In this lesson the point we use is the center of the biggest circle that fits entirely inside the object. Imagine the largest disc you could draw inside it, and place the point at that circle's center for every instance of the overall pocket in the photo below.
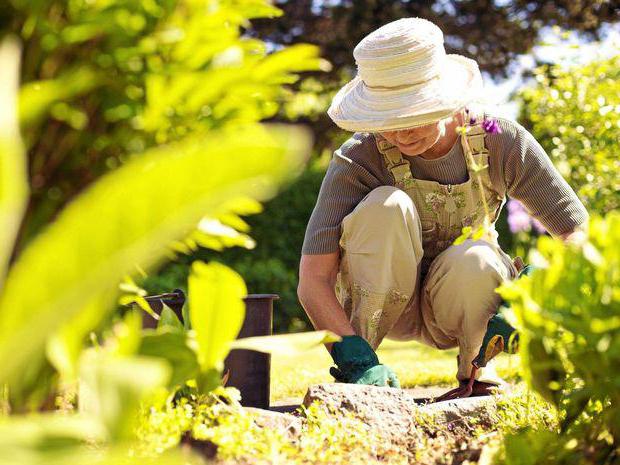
(429, 236)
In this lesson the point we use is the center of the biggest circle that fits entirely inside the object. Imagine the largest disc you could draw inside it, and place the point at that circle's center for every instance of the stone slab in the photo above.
(397, 413)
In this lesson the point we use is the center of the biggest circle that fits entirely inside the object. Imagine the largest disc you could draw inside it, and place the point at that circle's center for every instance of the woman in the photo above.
(378, 257)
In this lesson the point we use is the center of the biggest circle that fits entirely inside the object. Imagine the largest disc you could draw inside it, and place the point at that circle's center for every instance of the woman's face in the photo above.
(415, 141)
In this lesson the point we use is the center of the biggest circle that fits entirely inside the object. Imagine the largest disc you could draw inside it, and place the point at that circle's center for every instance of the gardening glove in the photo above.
(357, 363)
(500, 335)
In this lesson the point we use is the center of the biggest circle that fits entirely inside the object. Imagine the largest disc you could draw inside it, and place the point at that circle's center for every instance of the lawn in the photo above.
(415, 365)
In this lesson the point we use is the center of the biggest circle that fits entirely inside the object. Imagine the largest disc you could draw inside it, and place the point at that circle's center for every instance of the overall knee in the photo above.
(472, 265)
(386, 205)
(385, 222)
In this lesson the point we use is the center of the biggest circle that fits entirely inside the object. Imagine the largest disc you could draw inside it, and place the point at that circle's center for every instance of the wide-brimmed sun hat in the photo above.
(404, 79)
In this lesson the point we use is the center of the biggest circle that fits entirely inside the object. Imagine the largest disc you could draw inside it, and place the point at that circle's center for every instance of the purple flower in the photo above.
(520, 220)
(491, 126)
(472, 121)
(514, 206)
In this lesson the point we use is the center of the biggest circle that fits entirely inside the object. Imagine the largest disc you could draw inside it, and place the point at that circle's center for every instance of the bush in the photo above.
(569, 314)
(575, 114)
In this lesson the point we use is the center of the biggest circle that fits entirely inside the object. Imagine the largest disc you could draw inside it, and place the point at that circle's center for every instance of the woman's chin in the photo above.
(415, 149)
(413, 152)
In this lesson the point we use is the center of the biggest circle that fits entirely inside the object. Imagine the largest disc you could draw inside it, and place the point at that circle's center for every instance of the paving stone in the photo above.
(276, 420)
(387, 411)
(395, 413)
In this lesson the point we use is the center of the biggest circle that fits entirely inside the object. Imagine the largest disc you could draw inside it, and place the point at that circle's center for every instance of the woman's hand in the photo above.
(577, 236)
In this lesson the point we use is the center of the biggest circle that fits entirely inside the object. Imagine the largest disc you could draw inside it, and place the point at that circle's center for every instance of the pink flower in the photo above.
(491, 126)
(514, 206)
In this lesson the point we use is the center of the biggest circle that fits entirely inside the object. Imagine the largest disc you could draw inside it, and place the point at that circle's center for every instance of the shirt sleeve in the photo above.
(345, 184)
(531, 178)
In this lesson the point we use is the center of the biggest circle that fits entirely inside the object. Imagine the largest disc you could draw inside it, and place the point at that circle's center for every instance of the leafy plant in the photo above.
(164, 91)
(569, 312)
(574, 113)
(273, 264)
(105, 81)
(216, 312)
(66, 279)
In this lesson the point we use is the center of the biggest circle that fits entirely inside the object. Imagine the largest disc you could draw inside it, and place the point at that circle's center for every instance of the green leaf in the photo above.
(187, 324)
(104, 233)
(292, 345)
(13, 181)
(217, 310)
(65, 346)
(127, 334)
(167, 317)
(171, 345)
(37, 97)
(213, 234)
(24, 437)
(112, 387)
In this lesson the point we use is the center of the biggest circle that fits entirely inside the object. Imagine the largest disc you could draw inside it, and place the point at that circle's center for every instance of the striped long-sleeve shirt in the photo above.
(519, 168)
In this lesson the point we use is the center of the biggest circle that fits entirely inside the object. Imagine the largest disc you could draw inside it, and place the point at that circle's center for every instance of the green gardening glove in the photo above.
(357, 363)
(500, 335)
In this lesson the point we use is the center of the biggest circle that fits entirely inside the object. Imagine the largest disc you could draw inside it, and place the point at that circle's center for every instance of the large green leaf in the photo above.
(289, 345)
(64, 347)
(216, 310)
(171, 344)
(127, 219)
(13, 182)
(112, 387)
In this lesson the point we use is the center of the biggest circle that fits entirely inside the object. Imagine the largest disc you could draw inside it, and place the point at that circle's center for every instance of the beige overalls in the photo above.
(401, 277)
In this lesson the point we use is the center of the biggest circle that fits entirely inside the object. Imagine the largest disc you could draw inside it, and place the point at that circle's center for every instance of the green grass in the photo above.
(415, 365)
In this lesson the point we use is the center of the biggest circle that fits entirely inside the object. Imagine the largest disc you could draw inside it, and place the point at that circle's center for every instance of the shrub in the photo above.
(574, 112)
(569, 313)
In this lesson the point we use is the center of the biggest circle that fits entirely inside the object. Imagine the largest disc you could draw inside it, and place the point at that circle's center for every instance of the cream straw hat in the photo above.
(404, 79)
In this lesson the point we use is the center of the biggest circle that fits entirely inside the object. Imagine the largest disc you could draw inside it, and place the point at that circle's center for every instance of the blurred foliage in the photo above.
(569, 312)
(492, 32)
(574, 112)
(106, 80)
(171, 187)
(126, 81)
(104, 83)
(272, 267)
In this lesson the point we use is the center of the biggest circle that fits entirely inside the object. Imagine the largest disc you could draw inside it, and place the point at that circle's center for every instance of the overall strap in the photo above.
(395, 163)
(475, 139)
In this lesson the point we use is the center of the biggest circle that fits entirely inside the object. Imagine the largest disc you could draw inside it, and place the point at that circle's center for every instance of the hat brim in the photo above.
(358, 108)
